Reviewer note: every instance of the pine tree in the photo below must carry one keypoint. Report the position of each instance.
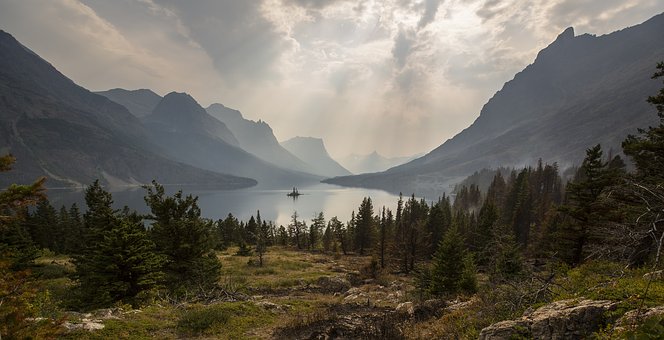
(119, 262)
(448, 264)
(19, 291)
(364, 226)
(317, 225)
(184, 237)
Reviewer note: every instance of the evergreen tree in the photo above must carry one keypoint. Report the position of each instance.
(448, 264)
(339, 232)
(184, 237)
(119, 263)
(262, 240)
(317, 225)
(364, 226)
(295, 229)
(584, 206)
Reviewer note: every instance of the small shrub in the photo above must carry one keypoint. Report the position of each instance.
(199, 320)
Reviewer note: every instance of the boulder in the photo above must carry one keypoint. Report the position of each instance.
(334, 284)
(566, 319)
(635, 317)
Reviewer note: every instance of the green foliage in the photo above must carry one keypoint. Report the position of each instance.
(364, 226)
(448, 265)
(184, 238)
(651, 328)
(229, 320)
(119, 262)
(20, 299)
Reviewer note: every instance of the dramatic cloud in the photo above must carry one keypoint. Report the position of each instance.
(397, 76)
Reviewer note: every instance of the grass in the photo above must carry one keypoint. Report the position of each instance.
(282, 268)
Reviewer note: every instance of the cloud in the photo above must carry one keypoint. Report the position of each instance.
(415, 71)
(430, 10)
(404, 45)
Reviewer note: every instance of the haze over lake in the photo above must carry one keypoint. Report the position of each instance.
(273, 204)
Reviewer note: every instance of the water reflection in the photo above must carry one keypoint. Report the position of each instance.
(274, 205)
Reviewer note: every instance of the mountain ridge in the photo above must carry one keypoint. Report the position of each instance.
(61, 130)
(579, 91)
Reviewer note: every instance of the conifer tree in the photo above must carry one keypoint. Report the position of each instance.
(119, 262)
(364, 226)
(448, 264)
(317, 226)
(184, 237)
(18, 290)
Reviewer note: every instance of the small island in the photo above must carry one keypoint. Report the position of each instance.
(293, 193)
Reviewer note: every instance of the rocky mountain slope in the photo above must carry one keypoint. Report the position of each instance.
(139, 102)
(257, 138)
(579, 91)
(58, 129)
(312, 151)
(187, 133)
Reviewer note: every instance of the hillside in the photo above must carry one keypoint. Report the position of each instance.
(186, 132)
(313, 152)
(257, 138)
(139, 102)
(579, 91)
(58, 129)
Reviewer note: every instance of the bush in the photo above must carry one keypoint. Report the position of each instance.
(199, 320)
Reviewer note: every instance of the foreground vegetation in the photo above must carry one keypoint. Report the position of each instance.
(445, 268)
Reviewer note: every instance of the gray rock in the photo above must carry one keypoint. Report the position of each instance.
(567, 319)
(335, 284)
(634, 317)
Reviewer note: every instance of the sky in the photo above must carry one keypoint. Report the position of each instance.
(396, 76)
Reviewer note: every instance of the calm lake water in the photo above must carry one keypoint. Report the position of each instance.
(274, 205)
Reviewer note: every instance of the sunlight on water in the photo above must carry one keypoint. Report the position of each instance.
(274, 205)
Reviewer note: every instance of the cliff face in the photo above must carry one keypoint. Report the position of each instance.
(58, 129)
(579, 91)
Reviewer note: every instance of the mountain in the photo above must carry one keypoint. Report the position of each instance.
(139, 102)
(257, 138)
(180, 113)
(313, 152)
(579, 91)
(58, 129)
(187, 133)
(373, 162)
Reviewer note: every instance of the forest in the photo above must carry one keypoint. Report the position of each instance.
(532, 236)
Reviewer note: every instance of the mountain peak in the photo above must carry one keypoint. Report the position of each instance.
(567, 34)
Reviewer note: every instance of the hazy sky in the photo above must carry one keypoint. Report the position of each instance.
(396, 76)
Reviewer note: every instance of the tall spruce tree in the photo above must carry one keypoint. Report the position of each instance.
(184, 238)
(119, 262)
(364, 226)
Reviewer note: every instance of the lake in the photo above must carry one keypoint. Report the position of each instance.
(274, 205)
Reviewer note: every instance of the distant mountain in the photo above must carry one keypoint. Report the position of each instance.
(58, 129)
(139, 102)
(179, 112)
(373, 162)
(187, 133)
(257, 138)
(580, 91)
(313, 152)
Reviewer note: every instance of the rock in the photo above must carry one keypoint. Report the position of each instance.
(334, 284)
(567, 319)
(86, 324)
(510, 329)
(634, 318)
(406, 307)
(657, 275)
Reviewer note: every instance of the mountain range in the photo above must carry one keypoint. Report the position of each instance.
(313, 152)
(58, 129)
(580, 91)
